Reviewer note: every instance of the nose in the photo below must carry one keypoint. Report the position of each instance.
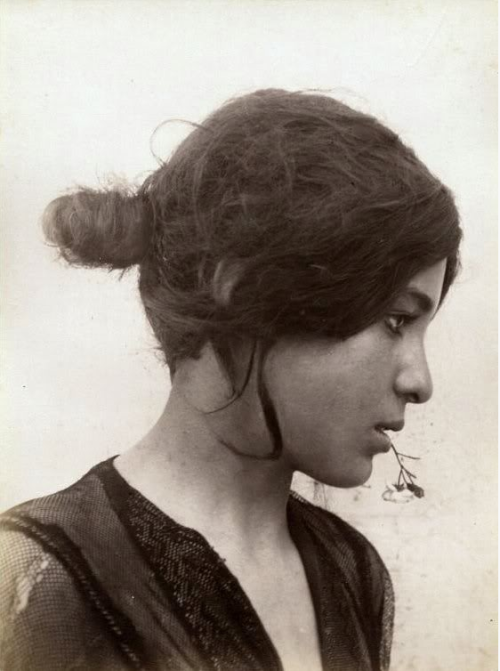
(414, 380)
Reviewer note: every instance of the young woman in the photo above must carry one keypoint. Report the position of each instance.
(291, 254)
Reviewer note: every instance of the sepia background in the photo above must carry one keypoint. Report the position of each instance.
(84, 83)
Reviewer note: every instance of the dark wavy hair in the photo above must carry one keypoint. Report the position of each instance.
(314, 214)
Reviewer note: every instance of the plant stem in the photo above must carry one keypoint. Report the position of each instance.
(404, 473)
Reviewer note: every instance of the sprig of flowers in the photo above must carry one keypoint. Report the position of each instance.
(405, 489)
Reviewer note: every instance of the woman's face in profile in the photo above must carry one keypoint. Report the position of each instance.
(333, 399)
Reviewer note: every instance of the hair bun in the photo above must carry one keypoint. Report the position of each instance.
(99, 228)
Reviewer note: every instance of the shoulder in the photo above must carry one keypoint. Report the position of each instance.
(62, 524)
(29, 573)
(328, 525)
(45, 623)
(343, 545)
(77, 500)
(54, 611)
(346, 556)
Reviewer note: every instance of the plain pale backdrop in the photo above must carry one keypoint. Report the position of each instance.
(84, 83)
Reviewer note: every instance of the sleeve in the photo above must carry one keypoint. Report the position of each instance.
(45, 623)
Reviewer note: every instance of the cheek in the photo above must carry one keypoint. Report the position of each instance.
(322, 383)
(331, 414)
(313, 401)
(304, 384)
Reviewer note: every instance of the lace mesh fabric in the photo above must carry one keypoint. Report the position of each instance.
(96, 577)
(45, 623)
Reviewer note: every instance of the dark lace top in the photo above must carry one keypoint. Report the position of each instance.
(97, 578)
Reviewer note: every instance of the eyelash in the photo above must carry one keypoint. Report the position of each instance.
(402, 319)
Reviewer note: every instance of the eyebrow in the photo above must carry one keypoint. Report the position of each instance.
(425, 303)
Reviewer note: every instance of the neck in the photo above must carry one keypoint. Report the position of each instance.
(237, 502)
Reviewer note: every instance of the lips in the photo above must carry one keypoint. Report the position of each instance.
(382, 430)
(394, 425)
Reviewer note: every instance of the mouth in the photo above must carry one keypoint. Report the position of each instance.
(386, 431)
(384, 445)
(396, 425)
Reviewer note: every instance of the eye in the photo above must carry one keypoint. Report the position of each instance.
(395, 323)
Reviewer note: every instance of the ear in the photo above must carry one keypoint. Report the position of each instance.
(227, 275)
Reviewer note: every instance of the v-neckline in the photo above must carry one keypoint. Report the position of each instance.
(119, 491)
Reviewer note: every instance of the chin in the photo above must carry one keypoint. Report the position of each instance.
(347, 478)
